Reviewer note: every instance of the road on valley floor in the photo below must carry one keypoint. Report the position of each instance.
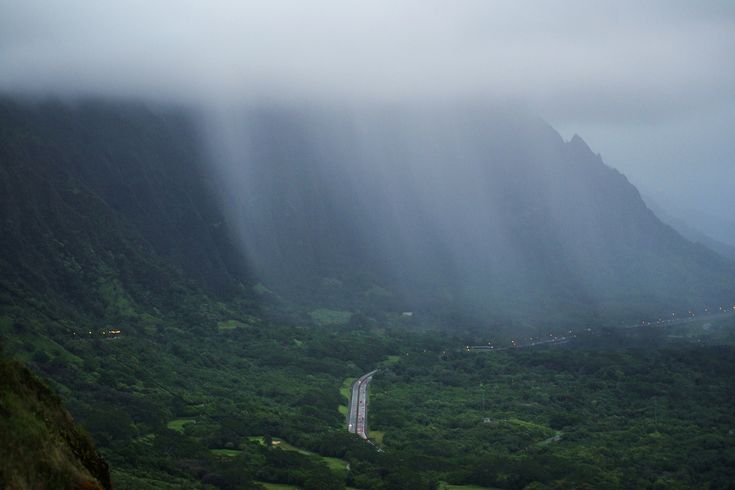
(357, 413)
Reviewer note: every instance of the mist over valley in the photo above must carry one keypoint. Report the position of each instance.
(390, 245)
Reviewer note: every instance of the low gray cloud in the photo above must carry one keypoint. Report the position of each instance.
(580, 60)
(606, 67)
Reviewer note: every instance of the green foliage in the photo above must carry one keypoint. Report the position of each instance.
(108, 225)
(40, 445)
(560, 418)
(230, 325)
(173, 404)
(325, 317)
(179, 424)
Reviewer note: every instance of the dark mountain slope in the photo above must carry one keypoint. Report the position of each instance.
(103, 205)
(40, 445)
(487, 212)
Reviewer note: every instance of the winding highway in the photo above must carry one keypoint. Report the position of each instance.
(357, 414)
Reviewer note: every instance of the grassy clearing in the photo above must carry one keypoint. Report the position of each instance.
(230, 325)
(390, 361)
(334, 464)
(289, 447)
(346, 386)
(376, 436)
(538, 431)
(227, 453)
(345, 392)
(327, 317)
(555, 438)
(277, 442)
(178, 424)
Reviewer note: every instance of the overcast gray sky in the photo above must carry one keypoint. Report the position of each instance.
(650, 85)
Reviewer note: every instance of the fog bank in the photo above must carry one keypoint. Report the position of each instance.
(647, 83)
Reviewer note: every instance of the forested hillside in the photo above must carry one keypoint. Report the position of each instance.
(107, 204)
(203, 348)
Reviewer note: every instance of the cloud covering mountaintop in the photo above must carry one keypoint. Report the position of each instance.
(615, 59)
(649, 84)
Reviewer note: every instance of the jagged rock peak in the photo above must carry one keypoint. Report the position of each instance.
(578, 142)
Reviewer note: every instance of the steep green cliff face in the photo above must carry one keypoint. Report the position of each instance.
(112, 209)
(103, 208)
(40, 444)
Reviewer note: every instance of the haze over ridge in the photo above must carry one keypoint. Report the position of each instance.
(454, 205)
(650, 86)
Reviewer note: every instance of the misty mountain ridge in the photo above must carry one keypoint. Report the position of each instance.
(483, 208)
(483, 211)
(689, 232)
